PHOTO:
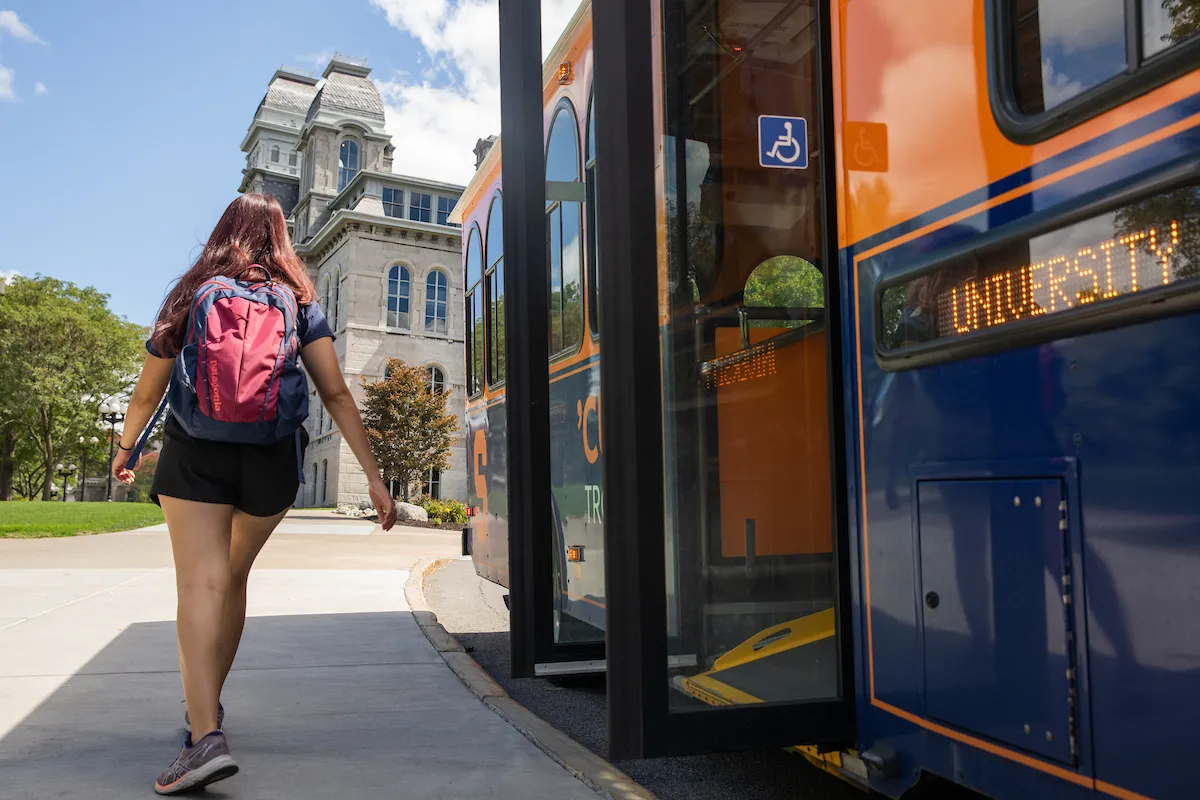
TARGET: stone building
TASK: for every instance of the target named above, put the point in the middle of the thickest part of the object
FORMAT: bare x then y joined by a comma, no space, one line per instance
379,247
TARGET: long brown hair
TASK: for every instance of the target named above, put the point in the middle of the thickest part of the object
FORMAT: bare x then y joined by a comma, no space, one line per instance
252,231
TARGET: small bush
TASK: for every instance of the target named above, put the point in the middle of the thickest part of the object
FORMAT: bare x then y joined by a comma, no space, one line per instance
444,512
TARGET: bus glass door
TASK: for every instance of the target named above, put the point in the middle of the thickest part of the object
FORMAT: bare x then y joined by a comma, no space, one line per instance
750,572
555,532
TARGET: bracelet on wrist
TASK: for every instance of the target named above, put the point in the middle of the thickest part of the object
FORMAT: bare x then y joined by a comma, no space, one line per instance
123,447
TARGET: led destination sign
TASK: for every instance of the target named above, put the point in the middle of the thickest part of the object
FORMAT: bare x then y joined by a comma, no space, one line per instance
1115,256
1103,271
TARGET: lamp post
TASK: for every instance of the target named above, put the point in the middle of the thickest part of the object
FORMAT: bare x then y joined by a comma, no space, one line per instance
64,473
111,413
84,441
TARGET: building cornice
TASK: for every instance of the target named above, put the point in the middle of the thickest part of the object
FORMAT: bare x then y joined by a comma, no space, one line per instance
248,173
270,126
332,230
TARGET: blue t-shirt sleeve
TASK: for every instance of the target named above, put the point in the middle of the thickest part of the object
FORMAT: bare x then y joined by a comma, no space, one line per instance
152,350
313,324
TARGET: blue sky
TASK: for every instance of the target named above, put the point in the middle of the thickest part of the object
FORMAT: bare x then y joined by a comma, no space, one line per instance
120,123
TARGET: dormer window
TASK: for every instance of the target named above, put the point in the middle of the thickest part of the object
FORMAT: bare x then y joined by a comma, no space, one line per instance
275,154
445,207
420,207
393,203
347,163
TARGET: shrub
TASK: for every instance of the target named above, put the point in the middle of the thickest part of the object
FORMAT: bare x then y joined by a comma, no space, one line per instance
444,512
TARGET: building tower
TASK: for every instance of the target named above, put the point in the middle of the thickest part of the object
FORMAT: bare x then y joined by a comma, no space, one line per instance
273,159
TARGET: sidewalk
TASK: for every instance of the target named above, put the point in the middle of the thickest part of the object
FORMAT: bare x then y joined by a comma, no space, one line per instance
336,692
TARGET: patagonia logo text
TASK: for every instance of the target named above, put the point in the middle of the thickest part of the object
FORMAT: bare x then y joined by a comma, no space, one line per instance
214,387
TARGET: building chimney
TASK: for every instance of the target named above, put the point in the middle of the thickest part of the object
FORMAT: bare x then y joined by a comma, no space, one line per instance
482,148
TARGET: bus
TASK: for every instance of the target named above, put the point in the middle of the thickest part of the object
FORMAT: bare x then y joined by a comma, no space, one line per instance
892,453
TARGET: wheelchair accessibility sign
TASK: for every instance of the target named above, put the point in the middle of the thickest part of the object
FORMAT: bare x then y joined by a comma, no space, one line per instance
783,142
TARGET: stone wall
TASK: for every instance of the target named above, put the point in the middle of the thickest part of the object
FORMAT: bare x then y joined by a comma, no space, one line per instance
364,343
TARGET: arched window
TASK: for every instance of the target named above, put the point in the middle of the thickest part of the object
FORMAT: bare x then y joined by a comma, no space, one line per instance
435,302
593,264
347,162
398,293
564,223
314,484
437,380
324,482
275,154
325,299
495,292
784,292
474,313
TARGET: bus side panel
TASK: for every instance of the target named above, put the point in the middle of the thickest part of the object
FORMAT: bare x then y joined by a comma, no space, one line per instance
487,490
576,477
1118,405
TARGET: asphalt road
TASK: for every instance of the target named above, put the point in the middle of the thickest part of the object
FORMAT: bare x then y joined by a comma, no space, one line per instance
473,611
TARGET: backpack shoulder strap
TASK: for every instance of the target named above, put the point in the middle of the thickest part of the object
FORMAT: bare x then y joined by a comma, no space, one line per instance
136,454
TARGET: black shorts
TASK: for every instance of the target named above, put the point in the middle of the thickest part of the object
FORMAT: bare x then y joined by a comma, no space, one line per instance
261,480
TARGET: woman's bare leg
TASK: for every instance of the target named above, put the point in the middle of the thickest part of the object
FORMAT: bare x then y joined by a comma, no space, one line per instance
200,537
249,536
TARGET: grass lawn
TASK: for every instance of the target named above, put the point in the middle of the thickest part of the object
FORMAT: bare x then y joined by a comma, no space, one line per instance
20,520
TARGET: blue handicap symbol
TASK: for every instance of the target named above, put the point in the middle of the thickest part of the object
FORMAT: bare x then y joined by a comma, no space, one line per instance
783,142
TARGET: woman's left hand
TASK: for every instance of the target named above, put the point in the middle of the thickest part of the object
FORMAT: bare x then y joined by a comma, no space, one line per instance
120,469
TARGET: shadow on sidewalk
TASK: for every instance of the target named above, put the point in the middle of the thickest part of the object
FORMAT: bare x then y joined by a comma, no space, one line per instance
319,706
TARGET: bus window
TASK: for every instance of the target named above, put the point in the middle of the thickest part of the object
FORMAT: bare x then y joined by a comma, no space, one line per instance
593,272
1064,61
474,314
783,292
564,224
1057,57
495,293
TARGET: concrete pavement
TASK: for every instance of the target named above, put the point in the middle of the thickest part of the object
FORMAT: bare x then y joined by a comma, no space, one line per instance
336,693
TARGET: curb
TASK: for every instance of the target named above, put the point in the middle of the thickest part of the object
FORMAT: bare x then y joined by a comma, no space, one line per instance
586,766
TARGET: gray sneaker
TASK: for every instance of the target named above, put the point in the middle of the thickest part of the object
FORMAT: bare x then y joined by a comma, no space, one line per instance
220,718
198,765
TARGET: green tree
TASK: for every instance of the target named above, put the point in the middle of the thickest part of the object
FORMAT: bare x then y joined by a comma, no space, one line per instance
784,282
409,428
59,344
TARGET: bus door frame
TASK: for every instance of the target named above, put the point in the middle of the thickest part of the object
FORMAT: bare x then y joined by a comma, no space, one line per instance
532,593
640,722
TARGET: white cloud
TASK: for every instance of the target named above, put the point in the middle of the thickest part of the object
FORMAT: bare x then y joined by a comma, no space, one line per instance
40,88
7,277
1056,87
11,24
436,119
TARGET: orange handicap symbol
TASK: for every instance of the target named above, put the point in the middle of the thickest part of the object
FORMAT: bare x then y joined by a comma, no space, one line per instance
866,146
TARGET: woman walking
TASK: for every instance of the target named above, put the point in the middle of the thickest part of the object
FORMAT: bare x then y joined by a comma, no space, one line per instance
224,350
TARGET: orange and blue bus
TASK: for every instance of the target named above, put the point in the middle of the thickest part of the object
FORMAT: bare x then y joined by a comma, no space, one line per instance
891,456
